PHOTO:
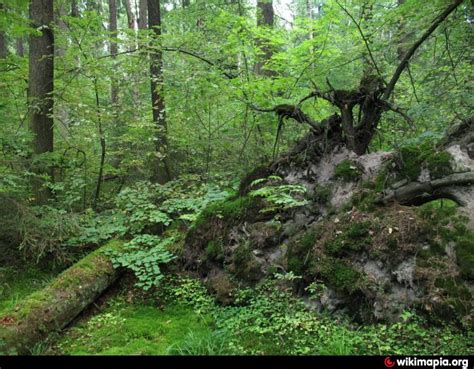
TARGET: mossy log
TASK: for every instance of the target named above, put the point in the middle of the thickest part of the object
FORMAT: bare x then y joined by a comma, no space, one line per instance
55,306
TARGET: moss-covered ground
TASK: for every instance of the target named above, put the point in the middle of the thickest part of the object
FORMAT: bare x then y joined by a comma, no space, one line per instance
122,328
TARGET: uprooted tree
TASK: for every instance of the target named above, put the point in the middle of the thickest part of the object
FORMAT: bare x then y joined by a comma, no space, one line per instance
355,238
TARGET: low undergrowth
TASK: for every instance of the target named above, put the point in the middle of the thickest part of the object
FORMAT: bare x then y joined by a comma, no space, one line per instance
181,318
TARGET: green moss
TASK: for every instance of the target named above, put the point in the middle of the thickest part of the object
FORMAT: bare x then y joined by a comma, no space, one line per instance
439,164
321,194
300,250
364,200
340,275
348,171
414,157
214,250
355,238
232,210
457,300
465,255
245,266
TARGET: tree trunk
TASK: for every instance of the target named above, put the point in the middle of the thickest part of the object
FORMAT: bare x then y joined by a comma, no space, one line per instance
161,170
20,47
132,22
142,14
40,87
113,48
265,15
74,9
54,307
3,41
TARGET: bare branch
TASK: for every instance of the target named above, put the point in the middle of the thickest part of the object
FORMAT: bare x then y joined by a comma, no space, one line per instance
401,67
366,42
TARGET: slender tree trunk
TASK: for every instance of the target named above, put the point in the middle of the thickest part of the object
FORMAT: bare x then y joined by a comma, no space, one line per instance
41,86
3,45
132,22
142,14
60,13
265,18
3,39
20,46
113,48
74,9
161,170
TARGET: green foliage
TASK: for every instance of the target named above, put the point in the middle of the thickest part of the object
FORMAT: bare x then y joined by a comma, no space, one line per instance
279,197
143,256
215,343
136,204
348,171
265,320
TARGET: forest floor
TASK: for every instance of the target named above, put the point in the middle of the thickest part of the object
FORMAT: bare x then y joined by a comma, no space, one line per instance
181,318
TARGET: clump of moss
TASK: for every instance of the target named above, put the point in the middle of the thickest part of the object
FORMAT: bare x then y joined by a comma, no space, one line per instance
465,255
232,209
321,194
364,200
348,171
340,275
299,252
414,157
245,266
450,227
214,250
457,298
355,238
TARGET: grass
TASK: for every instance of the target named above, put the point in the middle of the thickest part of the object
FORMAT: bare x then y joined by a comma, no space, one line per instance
16,283
134,329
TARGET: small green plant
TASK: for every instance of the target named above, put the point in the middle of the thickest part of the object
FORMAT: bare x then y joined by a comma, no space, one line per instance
279,197
213,343
348,171
143,256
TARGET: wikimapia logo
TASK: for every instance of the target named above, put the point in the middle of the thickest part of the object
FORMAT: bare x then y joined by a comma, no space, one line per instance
427,363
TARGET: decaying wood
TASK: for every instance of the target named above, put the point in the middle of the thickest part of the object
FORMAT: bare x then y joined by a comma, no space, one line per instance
54,307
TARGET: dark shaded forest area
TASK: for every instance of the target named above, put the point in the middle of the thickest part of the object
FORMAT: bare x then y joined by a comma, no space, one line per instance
236,177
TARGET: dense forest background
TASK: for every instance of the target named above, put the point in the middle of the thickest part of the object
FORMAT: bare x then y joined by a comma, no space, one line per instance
135,121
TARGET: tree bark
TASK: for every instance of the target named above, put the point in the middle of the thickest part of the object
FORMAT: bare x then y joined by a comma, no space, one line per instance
132,22
113,48
74,9
3,40
265,18
54,307
142,14
20,47
161,169
40,87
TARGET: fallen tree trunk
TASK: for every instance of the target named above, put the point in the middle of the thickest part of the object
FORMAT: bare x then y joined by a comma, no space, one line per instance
55,306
